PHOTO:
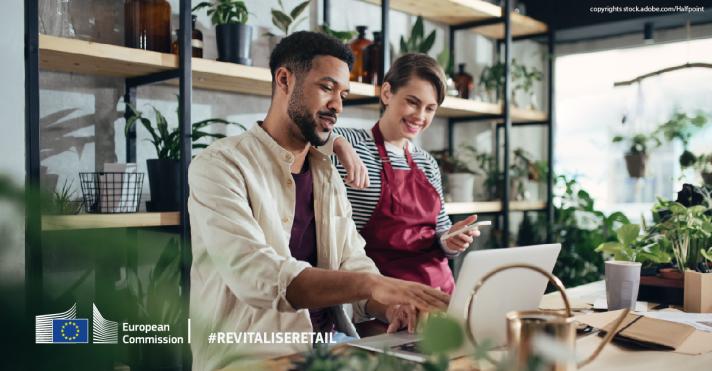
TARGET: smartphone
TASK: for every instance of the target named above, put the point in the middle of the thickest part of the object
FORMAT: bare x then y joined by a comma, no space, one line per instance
469,227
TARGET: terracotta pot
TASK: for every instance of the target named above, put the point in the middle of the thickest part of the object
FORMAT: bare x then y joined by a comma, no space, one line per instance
635,162
671,274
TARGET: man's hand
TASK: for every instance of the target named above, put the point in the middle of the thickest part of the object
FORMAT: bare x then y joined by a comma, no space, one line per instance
356,172
391,291
399,316
462,241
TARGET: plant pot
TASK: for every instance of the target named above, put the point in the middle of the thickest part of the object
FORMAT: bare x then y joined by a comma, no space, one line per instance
671,274
234,43
461,187
635,162
622,284
707,177
164,180
481,192
698,292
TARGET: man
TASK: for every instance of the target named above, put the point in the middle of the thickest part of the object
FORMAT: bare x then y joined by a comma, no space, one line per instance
274,247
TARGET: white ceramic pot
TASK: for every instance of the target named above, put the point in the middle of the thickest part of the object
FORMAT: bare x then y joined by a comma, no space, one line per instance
622,283
461,187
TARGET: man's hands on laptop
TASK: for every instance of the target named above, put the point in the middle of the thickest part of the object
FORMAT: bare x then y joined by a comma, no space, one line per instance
391,291
400,316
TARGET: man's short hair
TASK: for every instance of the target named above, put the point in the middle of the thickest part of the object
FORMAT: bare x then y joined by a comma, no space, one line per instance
297,51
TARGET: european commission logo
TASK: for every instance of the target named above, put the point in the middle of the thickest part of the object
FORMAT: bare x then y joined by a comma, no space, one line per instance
66,328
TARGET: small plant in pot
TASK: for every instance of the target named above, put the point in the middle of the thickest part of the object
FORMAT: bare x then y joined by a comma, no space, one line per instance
487,170
637,156
164,172
286,20
234,35
460,179
682,126
687,224
524,168
630,251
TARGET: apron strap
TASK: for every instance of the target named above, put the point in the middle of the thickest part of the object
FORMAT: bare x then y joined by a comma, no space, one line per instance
380,145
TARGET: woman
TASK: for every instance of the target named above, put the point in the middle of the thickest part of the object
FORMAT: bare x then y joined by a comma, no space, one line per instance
401,211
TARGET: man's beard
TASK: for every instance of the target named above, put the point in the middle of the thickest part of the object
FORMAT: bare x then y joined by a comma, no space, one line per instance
304,120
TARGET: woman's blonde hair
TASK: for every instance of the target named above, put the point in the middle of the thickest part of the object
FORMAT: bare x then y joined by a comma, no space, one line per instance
417,65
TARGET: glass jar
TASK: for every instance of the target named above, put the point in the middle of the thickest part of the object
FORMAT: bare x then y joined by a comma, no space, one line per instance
148,25
196,41
463,82
55,19
358,46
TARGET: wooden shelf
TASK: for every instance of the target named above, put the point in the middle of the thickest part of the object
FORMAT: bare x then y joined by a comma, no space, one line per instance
84,57
92,221
454,12
454,208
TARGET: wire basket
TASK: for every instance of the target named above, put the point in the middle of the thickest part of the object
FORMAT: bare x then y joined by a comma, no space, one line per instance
111,192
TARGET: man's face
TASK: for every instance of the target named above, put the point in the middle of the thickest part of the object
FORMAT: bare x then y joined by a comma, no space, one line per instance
316,100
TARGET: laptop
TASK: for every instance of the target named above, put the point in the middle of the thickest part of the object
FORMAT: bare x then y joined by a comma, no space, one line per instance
510,290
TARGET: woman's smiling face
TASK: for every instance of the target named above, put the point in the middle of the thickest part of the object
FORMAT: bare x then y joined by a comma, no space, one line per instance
411,109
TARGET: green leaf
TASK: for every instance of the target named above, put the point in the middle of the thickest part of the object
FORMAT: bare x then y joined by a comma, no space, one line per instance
403,46
418,31
281,20
427,44
609,247
204,4
297,11
441,334
628,233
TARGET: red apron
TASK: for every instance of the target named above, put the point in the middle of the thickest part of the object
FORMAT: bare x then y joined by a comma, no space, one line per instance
400,236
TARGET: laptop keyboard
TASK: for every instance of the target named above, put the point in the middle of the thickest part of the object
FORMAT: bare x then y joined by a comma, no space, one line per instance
411,347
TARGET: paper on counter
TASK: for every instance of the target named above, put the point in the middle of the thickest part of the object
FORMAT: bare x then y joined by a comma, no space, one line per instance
116,199
602,304
700,321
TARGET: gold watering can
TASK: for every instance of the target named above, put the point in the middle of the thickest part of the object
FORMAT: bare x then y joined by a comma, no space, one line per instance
524,326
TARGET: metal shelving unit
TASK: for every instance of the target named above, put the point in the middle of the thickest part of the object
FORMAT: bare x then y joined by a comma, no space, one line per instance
140,67
505,27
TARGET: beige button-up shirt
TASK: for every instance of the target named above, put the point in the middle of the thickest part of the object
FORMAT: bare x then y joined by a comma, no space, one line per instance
241,206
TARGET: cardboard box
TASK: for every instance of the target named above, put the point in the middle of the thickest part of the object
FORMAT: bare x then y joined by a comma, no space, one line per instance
698,292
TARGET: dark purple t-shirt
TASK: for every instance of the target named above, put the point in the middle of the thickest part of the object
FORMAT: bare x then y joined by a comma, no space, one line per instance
302,242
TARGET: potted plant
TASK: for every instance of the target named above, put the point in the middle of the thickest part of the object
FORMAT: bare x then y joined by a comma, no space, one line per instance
417,42
524,168
164,172
487,176
343,36
492,79
63,201
523,79
460,179
637,155
687,225
682,126
234,35
286,21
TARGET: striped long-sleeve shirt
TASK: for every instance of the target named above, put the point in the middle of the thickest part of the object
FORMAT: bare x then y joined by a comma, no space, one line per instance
364,201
